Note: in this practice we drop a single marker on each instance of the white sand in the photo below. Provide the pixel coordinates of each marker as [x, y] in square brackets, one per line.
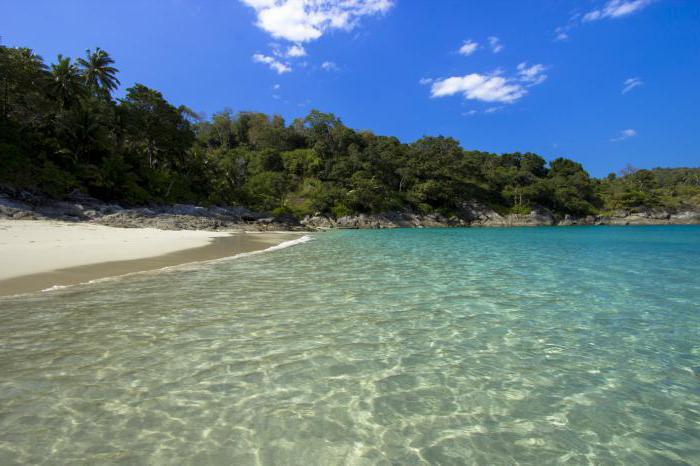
[32, 247]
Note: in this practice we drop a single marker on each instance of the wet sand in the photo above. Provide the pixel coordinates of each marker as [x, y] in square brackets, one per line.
[36, 255]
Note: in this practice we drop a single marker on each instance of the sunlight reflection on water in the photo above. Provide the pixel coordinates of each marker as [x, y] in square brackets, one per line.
[535, 346]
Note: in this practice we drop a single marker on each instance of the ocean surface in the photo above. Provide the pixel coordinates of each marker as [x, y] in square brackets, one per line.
[461, 346]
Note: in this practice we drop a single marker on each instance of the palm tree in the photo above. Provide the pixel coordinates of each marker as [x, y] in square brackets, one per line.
[66, 83]
[98, 71]
[27, 61]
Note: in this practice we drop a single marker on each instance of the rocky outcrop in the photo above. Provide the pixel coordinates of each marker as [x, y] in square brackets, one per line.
[75, 207]
[536, 218]
[685, 218]
[474, 215]
[397, 220]
[383, 220]
[650, 217]
[477, 214]
[182, 217]
[80, 207]
[17, 210]
[318, 222]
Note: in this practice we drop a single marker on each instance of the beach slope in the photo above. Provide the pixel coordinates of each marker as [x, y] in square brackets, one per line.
[41, 254]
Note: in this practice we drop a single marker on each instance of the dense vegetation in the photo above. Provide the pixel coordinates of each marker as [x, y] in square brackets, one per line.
[61, 129]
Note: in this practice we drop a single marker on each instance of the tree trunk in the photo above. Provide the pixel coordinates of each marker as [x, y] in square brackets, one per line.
[167, 193]
[5, 100]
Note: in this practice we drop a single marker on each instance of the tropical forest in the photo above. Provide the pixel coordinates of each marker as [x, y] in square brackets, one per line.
[62, 129]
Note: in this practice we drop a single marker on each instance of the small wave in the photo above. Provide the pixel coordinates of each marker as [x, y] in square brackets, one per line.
[286, 244]
[54, 288]
[276, 247]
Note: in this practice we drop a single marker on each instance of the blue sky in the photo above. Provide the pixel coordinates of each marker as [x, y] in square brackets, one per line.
[500, 75]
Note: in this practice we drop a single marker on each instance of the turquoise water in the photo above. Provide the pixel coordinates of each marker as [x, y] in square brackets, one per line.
[466, 346]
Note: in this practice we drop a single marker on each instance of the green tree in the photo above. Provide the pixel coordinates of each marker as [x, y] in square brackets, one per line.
[155, 128]
[266, 190]
[570, 187]
[98, 72]
[23, 79]
[66, 85]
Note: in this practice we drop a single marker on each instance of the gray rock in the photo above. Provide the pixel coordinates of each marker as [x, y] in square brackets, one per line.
[62, 210]
[319, 222]
[477, 214]
[687, 217]
[80, 207]
[184, 209]
[25, 215]
[536, 218]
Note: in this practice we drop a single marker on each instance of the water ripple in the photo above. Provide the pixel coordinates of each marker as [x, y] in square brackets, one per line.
[519, 346]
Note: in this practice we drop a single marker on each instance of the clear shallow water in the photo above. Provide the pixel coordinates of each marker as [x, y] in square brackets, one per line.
[469, 346]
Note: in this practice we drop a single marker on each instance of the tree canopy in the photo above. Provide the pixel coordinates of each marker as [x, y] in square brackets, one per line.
[61, 129]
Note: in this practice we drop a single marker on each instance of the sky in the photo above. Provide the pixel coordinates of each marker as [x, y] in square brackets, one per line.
[604, 82]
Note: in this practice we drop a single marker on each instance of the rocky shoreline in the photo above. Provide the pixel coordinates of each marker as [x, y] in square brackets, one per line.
[78, 207]
[534, 219]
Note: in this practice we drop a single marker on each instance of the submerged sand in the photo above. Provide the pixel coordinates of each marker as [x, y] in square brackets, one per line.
[36, 255]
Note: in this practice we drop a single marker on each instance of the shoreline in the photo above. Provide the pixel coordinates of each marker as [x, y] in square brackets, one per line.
[40, 255]
[212, 220]
[86, 210]
[487, 218]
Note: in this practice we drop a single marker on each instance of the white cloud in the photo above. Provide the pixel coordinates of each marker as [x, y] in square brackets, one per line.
[468, 47]
[625, 134]
[495, 44]
[616, 9]
[425, 81]
[609, 10]
[487, 111]
[329, 66]
[532, 75]
[291, 51]
[274, 64]
[276, 87]
[630, 84]
[480, 87]
[306, 20]
[561, 33]
[295, 51]
[493, 88]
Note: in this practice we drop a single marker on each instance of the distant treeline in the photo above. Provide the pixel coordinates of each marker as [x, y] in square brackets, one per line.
[61, 130]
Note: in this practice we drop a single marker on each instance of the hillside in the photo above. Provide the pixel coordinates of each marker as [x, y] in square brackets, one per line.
[61, 131]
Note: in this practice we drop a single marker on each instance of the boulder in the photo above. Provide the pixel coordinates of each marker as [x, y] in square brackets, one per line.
[78, 197]
[185, 209]
[13, 209]
[686, 217]
[320, 222]
[63, 210]
[477, 214]
[536, 218]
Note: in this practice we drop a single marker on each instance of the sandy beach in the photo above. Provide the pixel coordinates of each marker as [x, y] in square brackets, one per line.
[37, 255]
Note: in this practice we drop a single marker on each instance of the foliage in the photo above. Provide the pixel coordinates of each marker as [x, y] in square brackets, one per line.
[674, 188]
[61, 129]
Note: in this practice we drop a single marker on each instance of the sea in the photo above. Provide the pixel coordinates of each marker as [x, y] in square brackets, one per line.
[514, 346]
